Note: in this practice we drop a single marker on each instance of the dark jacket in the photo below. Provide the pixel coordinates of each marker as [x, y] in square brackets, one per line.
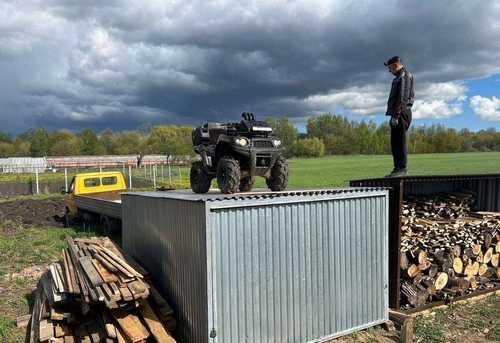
[402, 96]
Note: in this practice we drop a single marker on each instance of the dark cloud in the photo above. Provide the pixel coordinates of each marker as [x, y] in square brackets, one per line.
[122, 64]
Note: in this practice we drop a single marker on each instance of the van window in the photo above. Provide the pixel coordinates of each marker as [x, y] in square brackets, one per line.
[92, 182]
[109, 180]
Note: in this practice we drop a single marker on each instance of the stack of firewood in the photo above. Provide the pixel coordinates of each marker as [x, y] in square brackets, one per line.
[96, 293]
[446, 249]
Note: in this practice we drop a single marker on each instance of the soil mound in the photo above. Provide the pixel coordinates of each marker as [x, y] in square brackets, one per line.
[37, 213]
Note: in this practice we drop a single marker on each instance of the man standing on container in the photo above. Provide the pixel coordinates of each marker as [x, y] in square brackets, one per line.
[399, 109]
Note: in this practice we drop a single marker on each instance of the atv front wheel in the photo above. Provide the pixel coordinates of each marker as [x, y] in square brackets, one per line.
[228, 175]
[199, 179]
[278, 180]
[246, 184]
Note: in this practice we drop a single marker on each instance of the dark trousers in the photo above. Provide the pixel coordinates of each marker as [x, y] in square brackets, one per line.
[398, 141]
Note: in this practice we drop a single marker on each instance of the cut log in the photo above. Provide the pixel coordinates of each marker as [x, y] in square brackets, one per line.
[458, 265]
[487, 255]
[487, 238]
[460, 283]
[494, 260]
[433, 270]
[475, 268]
[422, 257]
[441, 281]
[404, 262]
[424, 266]
[476, 249]
[413, 271]
[457, 250]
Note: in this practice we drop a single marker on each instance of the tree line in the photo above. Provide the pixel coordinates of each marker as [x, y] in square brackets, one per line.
[325, 135]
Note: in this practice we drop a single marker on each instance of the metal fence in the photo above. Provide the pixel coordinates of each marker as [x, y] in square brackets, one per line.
[23, 176]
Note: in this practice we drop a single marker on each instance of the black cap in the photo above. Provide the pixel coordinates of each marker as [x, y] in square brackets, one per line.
[392, 60]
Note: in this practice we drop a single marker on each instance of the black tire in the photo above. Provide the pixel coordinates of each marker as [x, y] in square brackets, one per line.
[199, 179]
[278, 180]
[246, 184]
[228, 175]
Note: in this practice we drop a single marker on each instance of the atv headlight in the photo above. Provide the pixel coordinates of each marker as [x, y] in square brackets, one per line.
[276, 142]
[242, 141]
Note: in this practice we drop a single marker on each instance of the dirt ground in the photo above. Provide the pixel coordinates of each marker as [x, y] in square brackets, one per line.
[31, 212]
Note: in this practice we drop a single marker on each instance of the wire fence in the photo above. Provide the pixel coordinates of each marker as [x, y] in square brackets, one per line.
[22, 180]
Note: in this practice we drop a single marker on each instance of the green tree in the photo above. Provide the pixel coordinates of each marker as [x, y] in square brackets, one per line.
[64, 143]
[6, 149]
[40, 142]
[106, 141]
[128, 143]
[170, 140]
[22, 147]
[286, 132]
[310, 147]
[90, 143]
[5, 137]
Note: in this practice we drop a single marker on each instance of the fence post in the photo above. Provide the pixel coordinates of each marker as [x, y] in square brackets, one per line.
[37, 185]
[180, 175]
[154, 176]
[169, 174]
[162, 175]
[130, 177]
[66, 179]
[145, 172]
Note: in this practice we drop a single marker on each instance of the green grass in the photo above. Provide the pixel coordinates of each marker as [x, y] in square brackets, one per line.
[457, 323]
[21, 249]
[337, 171]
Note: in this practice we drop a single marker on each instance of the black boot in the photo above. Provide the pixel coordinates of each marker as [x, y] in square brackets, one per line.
[399, 173]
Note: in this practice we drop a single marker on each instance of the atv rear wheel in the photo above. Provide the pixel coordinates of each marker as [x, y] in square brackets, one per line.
[278, 180]
[246, 184]
[228, 175]
[199, 179]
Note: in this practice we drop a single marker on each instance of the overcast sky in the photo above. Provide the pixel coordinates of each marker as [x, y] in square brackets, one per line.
[125, 64]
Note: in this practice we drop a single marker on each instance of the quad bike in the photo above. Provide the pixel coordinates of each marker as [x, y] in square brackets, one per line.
[235, 153]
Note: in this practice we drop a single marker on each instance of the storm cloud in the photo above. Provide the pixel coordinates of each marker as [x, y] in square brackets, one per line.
[123, 64]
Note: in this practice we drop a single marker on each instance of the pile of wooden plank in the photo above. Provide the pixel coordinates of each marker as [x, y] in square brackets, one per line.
[96, 293]
[447, 250]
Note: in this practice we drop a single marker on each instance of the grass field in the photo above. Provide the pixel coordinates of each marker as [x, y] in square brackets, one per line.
[337, 171]
[25, 251]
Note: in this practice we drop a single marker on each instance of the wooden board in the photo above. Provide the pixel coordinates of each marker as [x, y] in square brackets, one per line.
[130, 325]
[154, 324]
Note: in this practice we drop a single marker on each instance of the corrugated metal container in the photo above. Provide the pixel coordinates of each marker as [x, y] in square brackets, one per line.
[292, 266]
[485, 187]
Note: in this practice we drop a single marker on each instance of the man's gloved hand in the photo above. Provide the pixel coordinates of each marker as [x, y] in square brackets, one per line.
[394, 122]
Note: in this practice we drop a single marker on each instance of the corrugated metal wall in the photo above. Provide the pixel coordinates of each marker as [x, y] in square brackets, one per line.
[300, 271]
[269, 267]
[168, 238]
